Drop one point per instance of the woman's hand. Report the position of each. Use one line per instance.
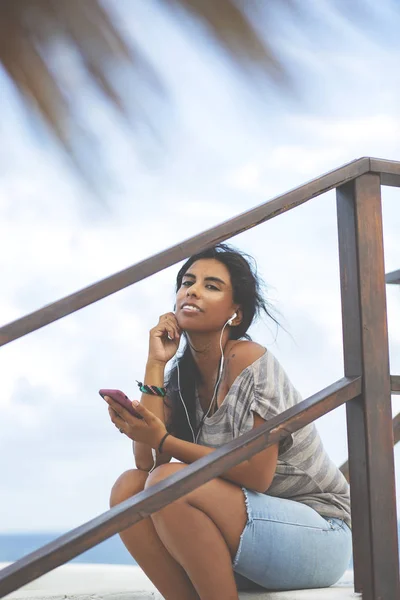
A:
(149, 430)
(164, 339)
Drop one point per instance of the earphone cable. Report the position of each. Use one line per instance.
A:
(217, 383)
(195, 438)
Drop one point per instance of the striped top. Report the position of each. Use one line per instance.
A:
(304, 471)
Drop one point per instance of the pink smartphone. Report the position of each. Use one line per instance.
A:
(122, 399)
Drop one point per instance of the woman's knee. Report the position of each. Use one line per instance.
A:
(162, 472)
(128, 484)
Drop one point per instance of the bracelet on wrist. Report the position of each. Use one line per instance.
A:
(152, 390)
(162, 442)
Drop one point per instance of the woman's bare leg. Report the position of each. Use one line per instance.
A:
(185, 529)
(202, 530)
(144, 544)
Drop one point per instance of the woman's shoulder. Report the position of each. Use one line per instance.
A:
(241, 354)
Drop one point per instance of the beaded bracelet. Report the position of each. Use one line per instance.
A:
(153, 390)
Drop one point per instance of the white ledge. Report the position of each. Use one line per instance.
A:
(123, 582)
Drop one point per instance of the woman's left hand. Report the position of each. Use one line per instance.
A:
(149, 430)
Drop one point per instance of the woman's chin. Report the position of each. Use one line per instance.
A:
(189, 325)
(188, 321)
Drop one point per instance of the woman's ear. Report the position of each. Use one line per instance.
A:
(238, 319)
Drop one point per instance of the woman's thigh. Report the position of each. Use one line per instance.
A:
(128, 484)
(219, 499)
(288, 545)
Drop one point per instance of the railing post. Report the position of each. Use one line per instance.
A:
(369, 417)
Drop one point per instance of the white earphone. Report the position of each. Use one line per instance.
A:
(231, 319)
(195, 438)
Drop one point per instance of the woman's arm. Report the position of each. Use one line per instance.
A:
(163, 345)
(256, 473)
(154, 375)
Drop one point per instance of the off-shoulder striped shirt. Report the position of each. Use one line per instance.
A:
(304, 471)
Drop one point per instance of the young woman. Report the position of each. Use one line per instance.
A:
(280, 520)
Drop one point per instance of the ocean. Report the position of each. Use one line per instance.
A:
(16, 545)
(112, 551)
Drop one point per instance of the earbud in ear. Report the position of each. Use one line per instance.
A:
(232, 318)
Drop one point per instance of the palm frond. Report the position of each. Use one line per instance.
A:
(32, 31)
(232, 26)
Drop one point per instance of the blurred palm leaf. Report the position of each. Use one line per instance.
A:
(232, 25)
(31, 32)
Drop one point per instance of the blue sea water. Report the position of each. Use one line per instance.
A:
(15, 546)
(111, 551)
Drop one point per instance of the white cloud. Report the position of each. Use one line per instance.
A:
(330, 143)
(246, 177)
(225, 160)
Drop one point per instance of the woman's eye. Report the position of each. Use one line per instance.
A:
(209, 285)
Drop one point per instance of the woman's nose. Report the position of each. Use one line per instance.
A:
(192, 291)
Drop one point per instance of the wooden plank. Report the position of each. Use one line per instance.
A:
(396, 428)
(393, 277)
(150, 501)
(396, 438)
(66, 306)
(395, 384)
(389, 171)
(353, 364)
(370, 433)
(395, 389)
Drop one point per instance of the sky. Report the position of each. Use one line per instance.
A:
(224, 149)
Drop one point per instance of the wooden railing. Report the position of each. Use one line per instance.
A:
(395, 384)
(365, 388)
(393, 278)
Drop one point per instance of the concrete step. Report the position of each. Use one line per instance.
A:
(123, 582)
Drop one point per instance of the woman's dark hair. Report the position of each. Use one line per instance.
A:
(247, 293)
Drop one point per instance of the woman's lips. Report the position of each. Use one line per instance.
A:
(190, 309)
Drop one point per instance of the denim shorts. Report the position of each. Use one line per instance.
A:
(287, 545)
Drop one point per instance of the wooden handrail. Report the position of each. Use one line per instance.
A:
(387, 169)
(177, 485)
(395, 389)
(396, 428)
(393, 277)
(395, 384)
(390, 175)
(396, 438)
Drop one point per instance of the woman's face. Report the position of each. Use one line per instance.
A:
(204, 302)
